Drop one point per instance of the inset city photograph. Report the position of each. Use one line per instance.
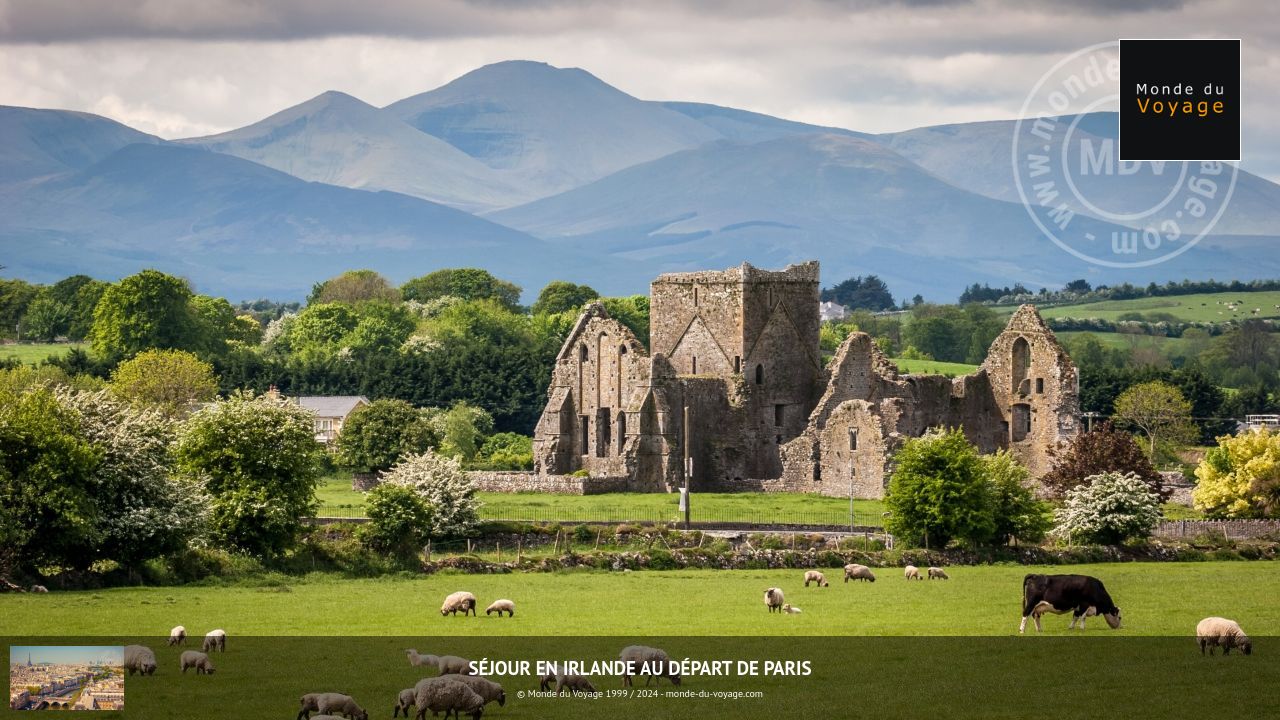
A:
(66, 677)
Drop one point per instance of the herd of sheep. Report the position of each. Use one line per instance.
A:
(775, 600)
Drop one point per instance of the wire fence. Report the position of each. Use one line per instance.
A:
(650, 516)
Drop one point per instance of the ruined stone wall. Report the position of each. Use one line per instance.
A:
(530, 481)
(705, 306)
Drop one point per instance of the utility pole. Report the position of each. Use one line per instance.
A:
(853, 446)
(688, 468)
(1088, 421)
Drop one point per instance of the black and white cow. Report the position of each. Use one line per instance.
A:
(1080, 595)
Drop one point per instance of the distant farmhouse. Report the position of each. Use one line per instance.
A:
(736, 356)
(331, 412)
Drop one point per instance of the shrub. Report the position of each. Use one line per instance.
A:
(445, 490)
(377, 435)
(1241, 477)
(939, 492)
(1105, 449)
(1112, 508)
(1016, 511)
(399, 520)
(506, 451)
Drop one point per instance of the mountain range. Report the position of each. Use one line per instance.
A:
(540, 173)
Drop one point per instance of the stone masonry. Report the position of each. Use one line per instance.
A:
(737, 351)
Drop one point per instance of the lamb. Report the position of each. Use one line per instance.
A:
(405, 701)
(460, 601)
(937, 573)
(454, 665)
(484, 687)
(139, 659)
(858, 572)
(331, 703)
(197, 660)
(501, 606)
(447, 694)
(417, 659)
(911, 572)
(574, 684)
(791, 609)
(640, 655)
(773, 599)
(815, 576)
(1213, 632)
(177, 636)
(215, 639)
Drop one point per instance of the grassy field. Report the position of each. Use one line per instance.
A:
(1204, 307)
(335, 493)
(33, 353)
(905, 649)
(1168, 346)
(1157, 599)
(934, 367)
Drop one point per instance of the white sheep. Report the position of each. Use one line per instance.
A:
(854, 571)
(454, 665)
(574, 684)
(791, 609)
(447, 694)
(331, 703)
(197, 660)
(415, 658)
(215, 640)
(815, 576)
(403, 702)
(177, 636)
(1213, 632)
(501, 606)
(139, 659)
(484, 687)
(937, 573)
(654, 658)
(461, 601)
(911, 572)
(773, 599)
(39, 589)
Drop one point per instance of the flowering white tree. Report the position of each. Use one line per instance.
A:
(1109, 509)
(447, 491)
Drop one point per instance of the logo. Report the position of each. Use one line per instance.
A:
(1082, 196)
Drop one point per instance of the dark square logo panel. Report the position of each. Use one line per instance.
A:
(1180, 99)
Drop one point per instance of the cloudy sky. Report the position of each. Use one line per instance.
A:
(178, 68)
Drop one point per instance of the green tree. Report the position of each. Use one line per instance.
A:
(506, 451)
(377, 435)
(939, 492)
(1104, 449)
(866, 293)
(353, 287)
(144, 311)
(320, 328)
(171, 381)
(48, 515)
(1240, 478)
(462, 430)
(447, 492)
(400, 521)
(258, 460)
(15, 296)
(464, 283)
(1109, 510)
(1159, 412)
(1016, 511)
(46, 317)
(632, 311)
(560, 296)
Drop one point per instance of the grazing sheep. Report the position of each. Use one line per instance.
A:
(215, 639)
(640, 655)
(858, 572)
(39, 589)
(574, 684)
(815, 576)
(197, 660)
(791, 609)
(403, 702)
(331, 703)
(139, 659)
(911, 572)
(447, 694)
(1213, 632)
(501, 606)
(484, 687)
(417, 659)
(937, 573)
(454, 665)
(773, 599)
(177, 636)
(460, 601)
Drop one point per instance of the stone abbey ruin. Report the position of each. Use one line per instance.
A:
(736, 352)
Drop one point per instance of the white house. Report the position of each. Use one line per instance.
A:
(331, 412)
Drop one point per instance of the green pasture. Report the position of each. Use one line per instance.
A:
(933, 367)
(32, 353)
(1203, 307)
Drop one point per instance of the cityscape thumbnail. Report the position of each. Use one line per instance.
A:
(66, 677)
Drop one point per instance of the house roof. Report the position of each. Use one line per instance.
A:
(333, 406)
